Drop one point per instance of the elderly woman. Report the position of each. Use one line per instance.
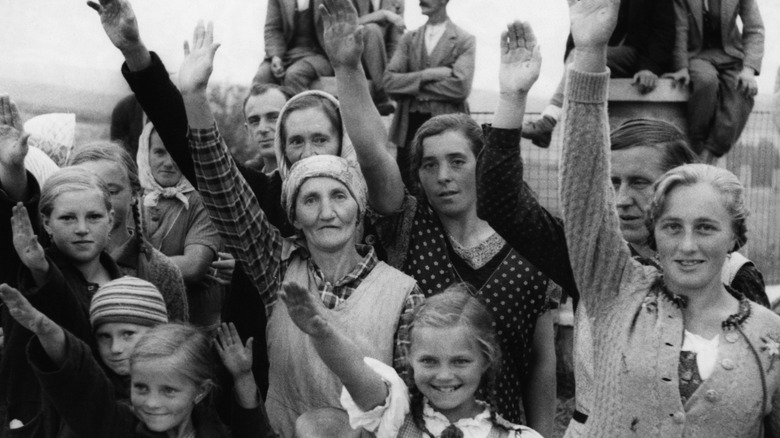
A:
(678, 354)
(324, 197)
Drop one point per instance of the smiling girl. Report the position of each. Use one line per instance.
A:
(454, 356)
(173, 372)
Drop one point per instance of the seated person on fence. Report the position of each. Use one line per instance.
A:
(293, 45)
(720, 63)
(640, 48)
(383, 27)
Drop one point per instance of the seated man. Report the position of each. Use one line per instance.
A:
(640, 48)
(383, 27)
(293, 45)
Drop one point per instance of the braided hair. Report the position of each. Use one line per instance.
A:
(115, 153)
(453, 307)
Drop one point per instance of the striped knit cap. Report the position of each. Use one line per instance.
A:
(128, 300)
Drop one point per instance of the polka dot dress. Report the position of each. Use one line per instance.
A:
(515, 294)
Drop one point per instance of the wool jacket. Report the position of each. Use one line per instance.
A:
(637, 331)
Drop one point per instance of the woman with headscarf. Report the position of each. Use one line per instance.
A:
(178, 225)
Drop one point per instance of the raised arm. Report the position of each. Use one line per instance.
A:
(598, 253)
(504, 200)
(13, 150)
(337, 351)
(344, 45)
(232, 206)
(51, 335)
(147, 77)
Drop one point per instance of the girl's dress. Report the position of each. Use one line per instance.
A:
(392, 419)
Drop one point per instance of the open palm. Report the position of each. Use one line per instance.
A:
(26, 242)
(13, 140)
(592, 21)
(23, 312)
(343, 35)
(119, 23)
(306, 311)
(198, 61)
(521, 59)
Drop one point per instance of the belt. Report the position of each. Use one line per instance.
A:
(579, 417)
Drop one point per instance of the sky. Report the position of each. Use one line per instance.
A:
(60, 43)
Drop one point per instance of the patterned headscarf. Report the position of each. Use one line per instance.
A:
(347, 151)
(152, 189)
(54, 134)
(329, 166)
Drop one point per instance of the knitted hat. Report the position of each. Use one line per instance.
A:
(128, 300)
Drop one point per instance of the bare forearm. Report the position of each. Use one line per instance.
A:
(14, 182)
(137, 57)
(246, 391)
(510, 110)
(199, 114)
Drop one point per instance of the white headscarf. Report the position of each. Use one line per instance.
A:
(152, 189)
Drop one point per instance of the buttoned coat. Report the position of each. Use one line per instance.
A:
(392, 33)
(403, 78)
(747, 45)
(279, 22)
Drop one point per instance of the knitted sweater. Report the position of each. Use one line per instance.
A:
(638, 332)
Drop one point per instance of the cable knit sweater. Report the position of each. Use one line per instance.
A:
(637, 331)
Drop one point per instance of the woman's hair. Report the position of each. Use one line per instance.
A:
(455, 307)
(329, 108)
(723, 181)
(658, 134)
(70, 179)
(189, 351)
(113, 152)
(461, 123)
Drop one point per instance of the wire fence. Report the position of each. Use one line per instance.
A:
(755, 159)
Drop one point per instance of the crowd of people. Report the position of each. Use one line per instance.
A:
(356, 280)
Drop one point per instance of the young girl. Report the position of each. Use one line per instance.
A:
(75, 211)
(129, 247)
(173, 373)
(453, 355)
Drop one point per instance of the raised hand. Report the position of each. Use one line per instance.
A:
(521, 59)
(592, 22)
(26, 242)
(198, 60)
(236, 357)
(343, 35)
(13, 140)
(23, 312)
(306, 311)
(118, 20)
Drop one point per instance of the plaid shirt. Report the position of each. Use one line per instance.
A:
(259, 246)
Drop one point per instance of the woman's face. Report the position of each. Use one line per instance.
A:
(162, 397)
(327, 214)
(693, 235)
(115, 177)
(164, 169)
(448, 367)
(309, 132)
(80, 224)
(448, 174)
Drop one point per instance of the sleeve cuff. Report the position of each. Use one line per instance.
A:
(154, 69)
(584, 87)
(500, 138)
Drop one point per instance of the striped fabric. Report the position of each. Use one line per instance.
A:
(128, 300)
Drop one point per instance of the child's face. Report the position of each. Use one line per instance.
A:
(162, 397)
(448, 367)
(115, 341)
(79, 224)
(115, 177)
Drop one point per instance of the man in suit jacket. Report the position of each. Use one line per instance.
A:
(430, 73)
(383, 26)
(640, 48)
(293, 45)
(720, 63)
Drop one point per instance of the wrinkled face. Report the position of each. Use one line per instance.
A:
(327, 214)
(80, 224)
(694, 234)
(164, 169)
(262, 111)
(634, 171)
(448, 367)
(448, 174)
(161, 396)
(115, 177)
(309, 132)
(431, 7)
(115, 341)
